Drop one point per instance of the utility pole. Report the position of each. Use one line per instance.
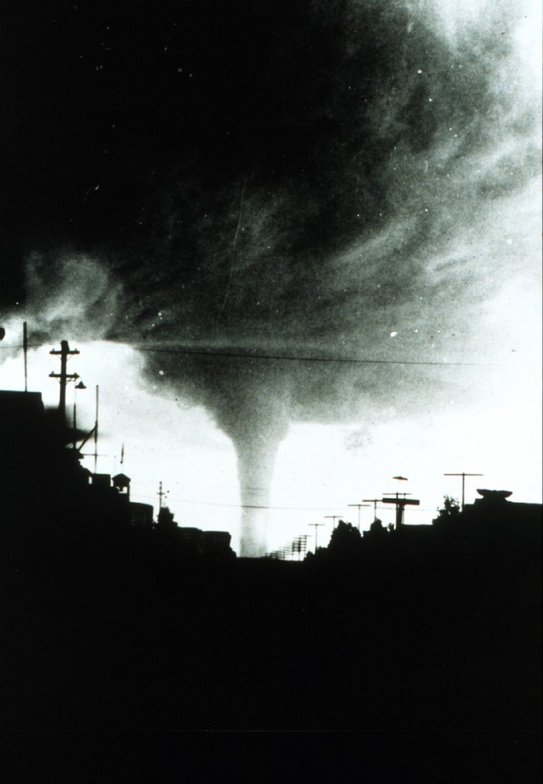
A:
(373, 501)
(96, 429)
(359, 507)
(316, 526)
(333, 518)
(400, 504)
(463, 474)
(63, 376)
(25, 352)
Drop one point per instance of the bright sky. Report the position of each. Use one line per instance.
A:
(320, 469)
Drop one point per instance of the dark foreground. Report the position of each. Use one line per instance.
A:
(117, 633)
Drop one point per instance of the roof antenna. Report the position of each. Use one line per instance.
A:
(316, 526)
(463, 474)
(359, 507)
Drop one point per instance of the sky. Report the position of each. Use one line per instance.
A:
(297, 244)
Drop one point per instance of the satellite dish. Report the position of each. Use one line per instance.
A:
(2, 333)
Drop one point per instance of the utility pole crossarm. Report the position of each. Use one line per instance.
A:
(400, 504)
(401, 501)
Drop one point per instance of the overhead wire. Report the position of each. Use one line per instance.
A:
(291, 358)
(263, 506)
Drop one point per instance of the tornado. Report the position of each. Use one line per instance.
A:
(269, 190)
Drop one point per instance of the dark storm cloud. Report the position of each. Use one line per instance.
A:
(325, 132)
(263, 176)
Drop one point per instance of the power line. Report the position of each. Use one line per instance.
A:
(246, 506)
(288, 358)
(273, 508)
